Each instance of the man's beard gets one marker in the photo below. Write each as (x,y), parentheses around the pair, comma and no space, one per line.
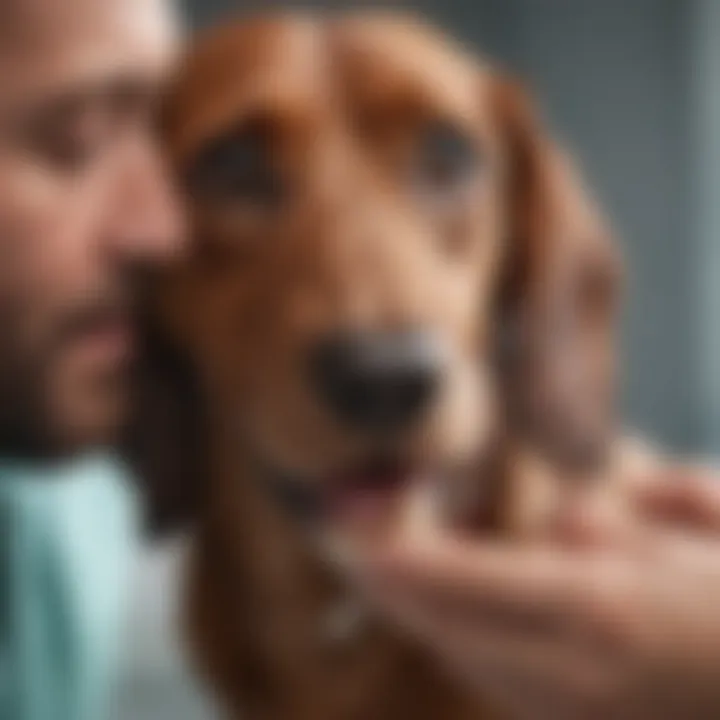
(33,424)
(26,428)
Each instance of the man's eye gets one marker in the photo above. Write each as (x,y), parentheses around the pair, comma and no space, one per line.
(239,168)
(72,145)
(445,158)
(68,151)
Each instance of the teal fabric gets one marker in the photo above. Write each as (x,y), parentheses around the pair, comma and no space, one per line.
(67,536)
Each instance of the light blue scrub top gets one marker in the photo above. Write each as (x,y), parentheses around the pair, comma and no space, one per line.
(67,539)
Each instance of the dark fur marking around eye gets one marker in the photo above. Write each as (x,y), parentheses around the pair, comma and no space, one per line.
(446,157)
(239,167)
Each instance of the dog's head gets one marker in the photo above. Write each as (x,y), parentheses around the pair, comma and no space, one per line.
(389,255)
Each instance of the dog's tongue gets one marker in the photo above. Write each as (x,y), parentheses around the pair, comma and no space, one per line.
(370,494)
(384,506)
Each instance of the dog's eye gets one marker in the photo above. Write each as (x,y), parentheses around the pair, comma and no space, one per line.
(239,168)
(445,159)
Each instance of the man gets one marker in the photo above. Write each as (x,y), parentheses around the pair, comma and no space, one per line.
(85,207)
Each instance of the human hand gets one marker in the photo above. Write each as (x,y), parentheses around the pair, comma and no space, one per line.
(603,622)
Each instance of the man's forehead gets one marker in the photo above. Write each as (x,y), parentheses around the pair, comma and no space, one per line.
(47,44)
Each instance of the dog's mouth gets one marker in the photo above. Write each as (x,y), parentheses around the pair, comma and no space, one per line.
(366,492)
(369,489)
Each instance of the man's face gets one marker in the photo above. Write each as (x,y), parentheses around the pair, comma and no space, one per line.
(84,208)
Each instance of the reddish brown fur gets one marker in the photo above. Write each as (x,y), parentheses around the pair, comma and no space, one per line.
(358,249)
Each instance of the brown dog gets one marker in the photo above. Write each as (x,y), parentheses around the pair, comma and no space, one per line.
(395,278)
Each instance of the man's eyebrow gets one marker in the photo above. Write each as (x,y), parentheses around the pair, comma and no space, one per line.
(122,91)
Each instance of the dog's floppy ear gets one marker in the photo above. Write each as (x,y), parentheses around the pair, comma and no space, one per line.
(165,443)
(557,300)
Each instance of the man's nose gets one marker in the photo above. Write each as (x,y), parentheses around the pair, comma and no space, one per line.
(147,219)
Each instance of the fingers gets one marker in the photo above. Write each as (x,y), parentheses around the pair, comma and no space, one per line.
(590,522)
(674,499)
(506,664)
(684,497)
(536,588)
(531,589)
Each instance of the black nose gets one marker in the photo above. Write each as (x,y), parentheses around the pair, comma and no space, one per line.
(377,382)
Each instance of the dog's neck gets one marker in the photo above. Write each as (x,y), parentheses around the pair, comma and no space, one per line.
(264,531)
(280,602)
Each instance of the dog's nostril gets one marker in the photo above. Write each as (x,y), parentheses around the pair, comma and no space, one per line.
(377,382)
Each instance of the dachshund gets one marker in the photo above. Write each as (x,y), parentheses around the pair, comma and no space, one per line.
(398,311)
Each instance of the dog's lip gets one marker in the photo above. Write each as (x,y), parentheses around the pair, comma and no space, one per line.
(358,489)
(377,477)
(369,490)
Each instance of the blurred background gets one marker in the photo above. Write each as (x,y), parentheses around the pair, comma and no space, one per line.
(633,88)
